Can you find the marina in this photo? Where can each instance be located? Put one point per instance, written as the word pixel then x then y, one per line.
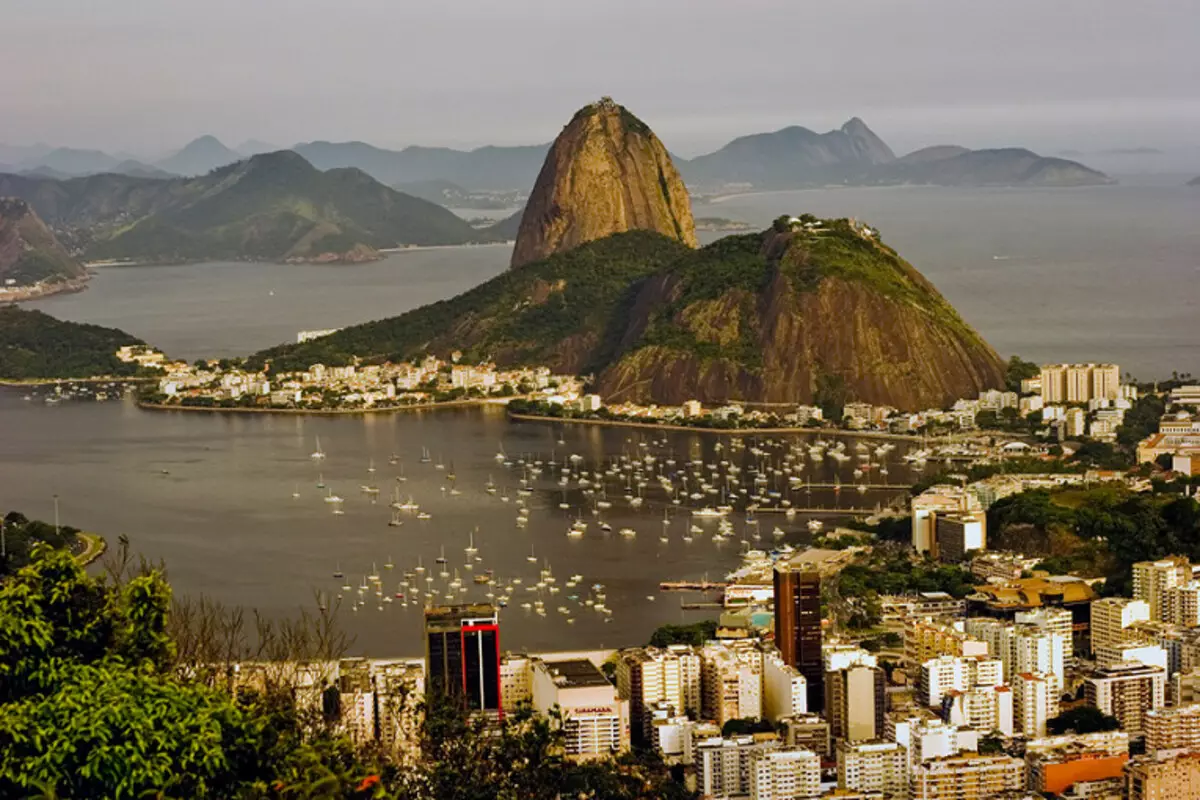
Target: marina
pixel 255 510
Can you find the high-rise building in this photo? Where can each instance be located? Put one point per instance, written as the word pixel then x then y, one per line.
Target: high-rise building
pixel 985 708
pixel 595 721
pixel 1175 728
pixel 873 767
pixel 855 700
pixel 1111 616
pixel 399 692
pixel 934 503
pixel 1126 691
pixel 959 533
pixel 462 655
pixel 1172 775
pixel 1152 579
pixel 1035 700
pixel 838 655
pixel 1182 604
pixel 956 673
pixel 808 732
pixel 1054 383
pixel 650 676
pixel 931 738
pixel 967 777
pixel 356 699
pixel 1053 620
pixel 784 690
pixel 723 765
pixel 785 775
pixel 798 627
pixel 1055 764
pixel 1019 599
pixel 1079 383
pixel 731 681
pixel 925 639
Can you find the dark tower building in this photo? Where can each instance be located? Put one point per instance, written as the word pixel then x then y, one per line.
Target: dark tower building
pixel 798 628
pixel 462 655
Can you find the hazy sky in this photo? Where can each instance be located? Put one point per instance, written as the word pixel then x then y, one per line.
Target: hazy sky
pixel 147 75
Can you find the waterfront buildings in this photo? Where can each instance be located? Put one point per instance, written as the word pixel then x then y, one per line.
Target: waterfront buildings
pixel 1079 383
pixel 1126 691
pixel 595 721
pixel 462 654
pixel 798 627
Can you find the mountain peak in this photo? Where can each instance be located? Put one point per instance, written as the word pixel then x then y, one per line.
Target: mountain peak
pixel 202 154
pixel 605 173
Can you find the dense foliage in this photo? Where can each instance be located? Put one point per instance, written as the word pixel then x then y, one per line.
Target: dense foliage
pixel 1098 532
pixel 694 634
pixel 1018 370
pixel 22 534
pixel 521 316
pixel 101 696
pixel 1082 719
pixel 853 596
pixel 34 345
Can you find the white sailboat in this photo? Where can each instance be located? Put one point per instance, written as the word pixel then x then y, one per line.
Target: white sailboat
pixel 318 454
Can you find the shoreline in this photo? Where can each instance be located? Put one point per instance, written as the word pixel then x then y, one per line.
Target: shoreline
pixel 27 295
pixel 20 382
pixel 329 412
pixel 663 426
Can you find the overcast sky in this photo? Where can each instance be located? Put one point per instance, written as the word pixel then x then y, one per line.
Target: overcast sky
pixel 148 75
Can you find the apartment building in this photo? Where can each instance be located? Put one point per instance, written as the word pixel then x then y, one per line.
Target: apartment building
pixel 967 777
pixel 873 767
pixel 1126 691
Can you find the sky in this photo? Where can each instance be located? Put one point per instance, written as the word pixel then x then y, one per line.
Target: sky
pixel 146 76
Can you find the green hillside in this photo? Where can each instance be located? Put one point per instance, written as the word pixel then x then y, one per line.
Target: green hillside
pixel 35 346
pixel 274 206
pixel 565 311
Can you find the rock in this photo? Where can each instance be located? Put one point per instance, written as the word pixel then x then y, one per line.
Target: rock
pixel 605 173
pixel 29 251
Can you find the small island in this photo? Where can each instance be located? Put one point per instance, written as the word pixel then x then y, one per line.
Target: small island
pixel 714 224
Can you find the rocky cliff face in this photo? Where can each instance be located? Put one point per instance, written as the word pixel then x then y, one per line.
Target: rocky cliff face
pixel 28 250
pixel 798 317
pixel 605 173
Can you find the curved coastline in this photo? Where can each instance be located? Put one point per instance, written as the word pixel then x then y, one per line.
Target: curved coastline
pixel 95 546
pixel 321 412
pixel 662 426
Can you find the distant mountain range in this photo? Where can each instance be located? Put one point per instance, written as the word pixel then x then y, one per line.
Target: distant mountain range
pixel 793 157
pixel 273 206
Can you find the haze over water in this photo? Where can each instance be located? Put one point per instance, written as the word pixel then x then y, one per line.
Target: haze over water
pixel 1106 273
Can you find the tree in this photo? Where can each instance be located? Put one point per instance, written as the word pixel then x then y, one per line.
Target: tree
pixel 1083 719
pixel 695 634
pixel 1018 370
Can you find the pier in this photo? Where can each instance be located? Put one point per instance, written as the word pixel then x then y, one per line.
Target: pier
pixel 692 586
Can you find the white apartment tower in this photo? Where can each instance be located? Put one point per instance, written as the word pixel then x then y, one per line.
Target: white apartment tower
pixel 785 775
pixel 1152 579
pixel 1035 700
pixel 873 767
pixel 1112 615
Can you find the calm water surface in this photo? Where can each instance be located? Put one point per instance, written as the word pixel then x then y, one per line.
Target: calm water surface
pixel 1105 273
pixel 212 496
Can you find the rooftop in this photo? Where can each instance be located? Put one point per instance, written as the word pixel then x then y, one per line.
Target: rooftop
pixel 573 673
